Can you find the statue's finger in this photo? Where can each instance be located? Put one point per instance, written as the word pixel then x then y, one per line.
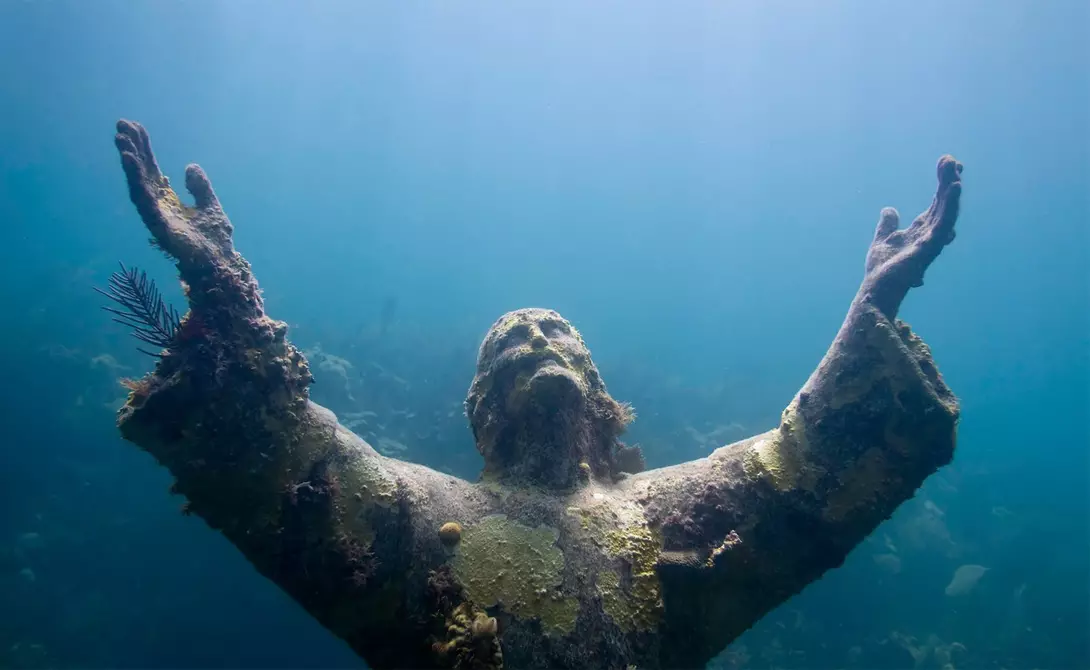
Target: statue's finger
pixel 888 222
pixel 132 138
pixel 937 223
pixel 140 185
pixel 949 170
pixel 200 187
pixel 950 207
pixel 155 201
pixel 940 218
pixel 130 163
pixel 948 193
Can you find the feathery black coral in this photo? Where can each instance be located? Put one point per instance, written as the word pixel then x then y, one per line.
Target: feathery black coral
pixel 142 308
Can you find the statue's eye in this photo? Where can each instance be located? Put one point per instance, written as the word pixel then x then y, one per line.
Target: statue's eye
pixel 516 335
pixel 553 328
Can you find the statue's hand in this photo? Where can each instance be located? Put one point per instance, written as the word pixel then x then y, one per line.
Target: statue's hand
pixel 198 237
pixel 239 364
pixel 897 259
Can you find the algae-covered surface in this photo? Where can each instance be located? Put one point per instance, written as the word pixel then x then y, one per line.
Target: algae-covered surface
pixel 631 593
pixel 502 562
pixel 635 603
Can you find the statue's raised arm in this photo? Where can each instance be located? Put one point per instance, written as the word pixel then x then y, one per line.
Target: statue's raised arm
pixel 752 524
pixel 562 554
pixel 347 532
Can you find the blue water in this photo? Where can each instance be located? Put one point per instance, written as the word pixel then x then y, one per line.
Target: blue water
pixel 694 185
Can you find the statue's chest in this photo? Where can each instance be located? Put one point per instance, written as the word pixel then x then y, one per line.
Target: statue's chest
pixel 567 578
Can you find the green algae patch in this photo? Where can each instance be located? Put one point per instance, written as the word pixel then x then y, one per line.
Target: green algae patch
pixel 502 562
pixel 510 322
pixel 631 593
pixel 621 532
pixel 782 457
pixel 637 604
pixel 168 199
pixel 613 600
pixel 557 614
pixel 636 608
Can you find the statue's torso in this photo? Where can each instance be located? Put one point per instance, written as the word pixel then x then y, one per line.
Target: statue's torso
pixel 573 579
pixel 570 578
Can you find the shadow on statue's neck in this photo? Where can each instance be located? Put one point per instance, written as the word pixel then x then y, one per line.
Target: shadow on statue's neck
pixel 550 457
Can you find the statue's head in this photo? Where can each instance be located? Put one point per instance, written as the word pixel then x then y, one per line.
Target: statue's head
pixel 539 409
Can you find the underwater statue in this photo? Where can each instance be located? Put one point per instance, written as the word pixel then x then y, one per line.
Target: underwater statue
pixel 562 554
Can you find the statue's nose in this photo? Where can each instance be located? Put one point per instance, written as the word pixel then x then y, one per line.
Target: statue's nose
pixel 537 339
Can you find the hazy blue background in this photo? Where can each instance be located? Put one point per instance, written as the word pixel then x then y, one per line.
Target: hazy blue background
pixel 694 185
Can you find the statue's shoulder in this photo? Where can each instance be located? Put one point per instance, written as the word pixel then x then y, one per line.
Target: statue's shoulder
pixel 436 496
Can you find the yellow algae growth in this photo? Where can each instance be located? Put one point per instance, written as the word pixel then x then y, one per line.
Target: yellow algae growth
pixel 782 457
pixel 503 562
pixel 621 532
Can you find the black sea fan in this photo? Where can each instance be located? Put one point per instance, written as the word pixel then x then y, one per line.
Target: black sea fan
pixel 142 308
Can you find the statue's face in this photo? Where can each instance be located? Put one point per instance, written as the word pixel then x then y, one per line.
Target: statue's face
pixel 539 359
pixel 538 407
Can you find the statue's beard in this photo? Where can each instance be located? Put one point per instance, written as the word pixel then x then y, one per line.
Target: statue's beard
pixel 536 381
pixel 548 427
pixel 551 388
